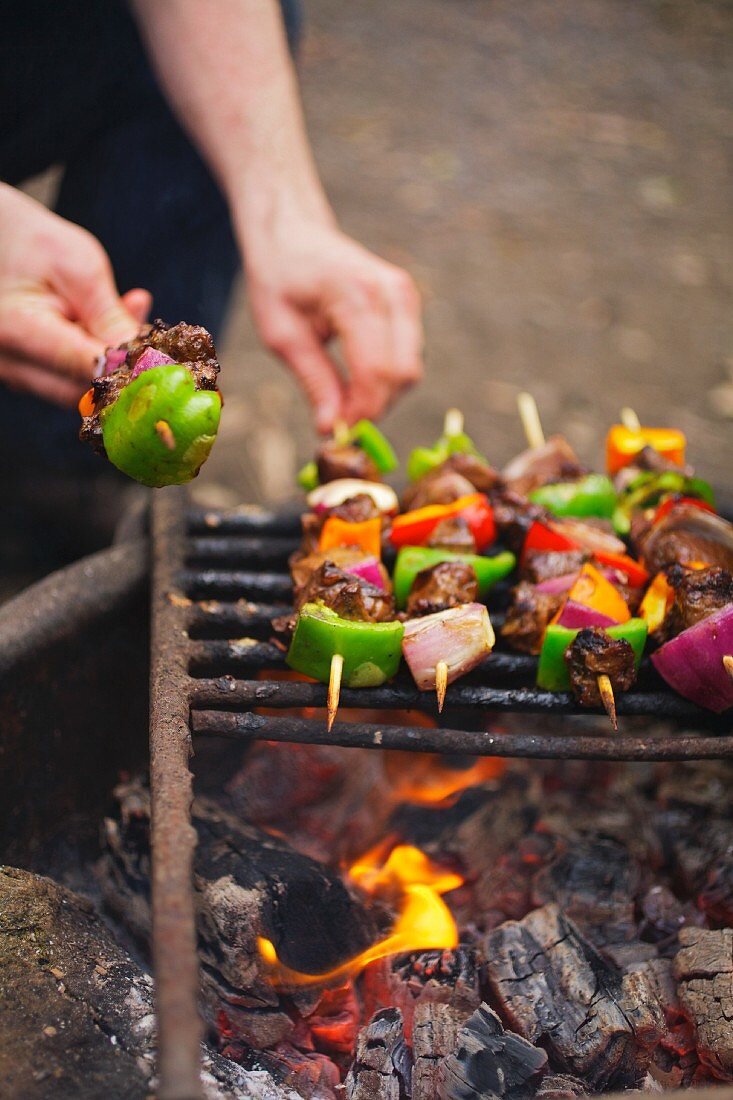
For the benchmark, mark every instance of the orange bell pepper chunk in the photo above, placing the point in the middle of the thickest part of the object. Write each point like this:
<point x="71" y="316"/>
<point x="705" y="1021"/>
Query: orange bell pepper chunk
<point x="367" y="535"/>
<point x="624" y="444"/>
<point x="86" y="404"/>
<point x="591" y="589"/>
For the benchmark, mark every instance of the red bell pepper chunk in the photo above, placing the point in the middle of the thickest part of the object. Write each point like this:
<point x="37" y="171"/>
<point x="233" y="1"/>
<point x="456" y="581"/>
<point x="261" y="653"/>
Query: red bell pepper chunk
<point x="415" y="528"/>
<point x="637" y="574"/>
<point x="543" y="538"/>
<point x="667" y="505"/>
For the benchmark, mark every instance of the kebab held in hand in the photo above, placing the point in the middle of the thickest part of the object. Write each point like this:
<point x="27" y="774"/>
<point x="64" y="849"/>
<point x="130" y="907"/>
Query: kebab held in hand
<point x="608" y="565"/>
<point x="154" y="409"/>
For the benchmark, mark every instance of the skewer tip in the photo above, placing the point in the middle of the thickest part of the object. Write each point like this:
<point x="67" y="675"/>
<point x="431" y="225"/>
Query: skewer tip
<point x="334" y="689"/>
<point x="530" y="417"/>
<point x="441" y="683"/>
<point x="453" y="423"/>
<point x="165" y="434"/>
<point x="605" y="688"/>
<point x="630" y="420"/>
<point x="728" y="664"/>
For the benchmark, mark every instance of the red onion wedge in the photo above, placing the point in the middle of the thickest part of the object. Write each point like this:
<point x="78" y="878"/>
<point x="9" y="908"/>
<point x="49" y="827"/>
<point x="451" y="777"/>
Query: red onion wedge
<point x="370" y="570"/>
<point x="112" y="359"/>
<point x="555" y="586"/>
<point x="693" y="662"/>
<point x="333" y="493"/>
<point x="461" y="637"/>
<point x="575" y="616"/>
<point x="150" y="358"/>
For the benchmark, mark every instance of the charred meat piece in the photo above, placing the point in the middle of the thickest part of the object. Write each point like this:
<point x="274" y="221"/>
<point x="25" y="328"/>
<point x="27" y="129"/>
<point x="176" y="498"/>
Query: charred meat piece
<point x="303" y="565"/>
<point x="514" y="515"/>
<point x="688" y="534"/>
<point x="336" y="460"/>
<point x="699" y="592"/>
<point x="594" y="653"/>
<point x="545" y="565"/>
<point x="190" y="345"/>
<point x="357" y="509"/>
<point x="347" y="595"/>
<point x="453" y="534"/>
<point x="440" y="486"/>
<point x="555" y="461"/>
<point x="448" y="584"/>
<point x="529" y="616"/>
<point x="483" y="477"/>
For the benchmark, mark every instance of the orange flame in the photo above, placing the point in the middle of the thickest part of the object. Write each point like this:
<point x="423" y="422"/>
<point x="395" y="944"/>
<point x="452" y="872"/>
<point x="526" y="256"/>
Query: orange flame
<point x="424" y="922"/>
<point x="426" y="779"/>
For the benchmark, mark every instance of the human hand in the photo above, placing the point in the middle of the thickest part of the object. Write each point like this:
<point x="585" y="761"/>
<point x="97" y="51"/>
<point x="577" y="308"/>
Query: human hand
<point x="59" y="307"/>
<point x="310" y="283"/>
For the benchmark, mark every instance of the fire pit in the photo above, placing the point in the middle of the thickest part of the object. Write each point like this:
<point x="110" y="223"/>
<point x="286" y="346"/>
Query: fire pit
<point x="589" y="903"/>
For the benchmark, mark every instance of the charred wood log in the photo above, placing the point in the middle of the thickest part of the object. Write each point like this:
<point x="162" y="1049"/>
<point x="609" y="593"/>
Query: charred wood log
<point x="554" y="989"/>
<point x="247" y="884"/>
<point x="560" y="1086"/>
<point x="430" y="977"/>
<point x="703" y="968"/>
<point x="491" y="1063"/>
<point x="383" y="1064"/>
<point x="435" y="1031"/>
<point x="77" y="1011"/>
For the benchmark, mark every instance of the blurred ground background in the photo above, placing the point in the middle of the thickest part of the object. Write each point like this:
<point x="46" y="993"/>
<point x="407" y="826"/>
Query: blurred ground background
<point x="557" y="177"/>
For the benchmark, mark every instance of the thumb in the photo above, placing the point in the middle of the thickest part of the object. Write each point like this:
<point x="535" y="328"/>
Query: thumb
<point x="87" y="282"/>
<point x="138" y="302"/>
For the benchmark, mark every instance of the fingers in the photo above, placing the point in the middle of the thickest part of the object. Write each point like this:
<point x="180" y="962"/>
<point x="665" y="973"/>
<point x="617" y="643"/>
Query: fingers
<point x="22" y="376"/>
<point x="83" y="275"/>
<point x="291" y="336"/>
<point x="33" y="332"/>
<point x="382" y="343"/>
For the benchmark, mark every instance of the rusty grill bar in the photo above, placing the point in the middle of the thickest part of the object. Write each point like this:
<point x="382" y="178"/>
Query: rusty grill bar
<point x="218" y="580"/>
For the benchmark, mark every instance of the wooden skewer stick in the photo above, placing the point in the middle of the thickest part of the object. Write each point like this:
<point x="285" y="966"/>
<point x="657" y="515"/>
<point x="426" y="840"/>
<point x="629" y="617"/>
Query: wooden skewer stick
<point x="165" y="434"/>
<point x="630" y="420"/>
<point x="605" y="688"/>
<point x="441" y="683"/>
<point x="453" y="423"/>
<point x="530" y="417"/>
<point x="728" y="664"/>
<point x="341" y="433"/>
<point x="334" y="689"/>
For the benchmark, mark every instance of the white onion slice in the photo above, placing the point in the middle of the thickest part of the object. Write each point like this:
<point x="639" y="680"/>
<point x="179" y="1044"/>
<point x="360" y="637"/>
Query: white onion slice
<point x="462" y="637"/>
<point x="333" y="493"/>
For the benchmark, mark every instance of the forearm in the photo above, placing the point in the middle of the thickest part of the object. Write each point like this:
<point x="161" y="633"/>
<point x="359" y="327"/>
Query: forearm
<point x="228" y="75"/>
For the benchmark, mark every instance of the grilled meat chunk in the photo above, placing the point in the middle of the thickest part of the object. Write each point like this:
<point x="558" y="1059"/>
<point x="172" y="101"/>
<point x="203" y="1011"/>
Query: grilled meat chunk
<point x="347" y="595"/>
<point x="453" y="534"/>
<point x="483" y="477"/>
<point x="448" y="584"/>
<point x="528" y="617"/>
<point x="545" y="565"/>
<point x="699" y="592"/>
<point x="441" y="486"/>
<point x="191" y="345"/>
<point x="335" y="460"/>
<point x="303" y="565"/>
<point x="688" y="534"/>
<point x="356" y="509"/>
<point x="514" y="515"/>
<point x="594" y="653"/>
<point x="554" y="461"/>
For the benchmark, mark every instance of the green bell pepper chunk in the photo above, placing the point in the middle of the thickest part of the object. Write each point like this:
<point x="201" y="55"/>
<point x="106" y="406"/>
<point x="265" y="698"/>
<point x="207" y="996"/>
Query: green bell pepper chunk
<point x="423" y="460"/>
<point x="593" y="495"/>
<point x="411" y="560"/>
<point x="650" y="489"/>
<point x="368" y="436"/>
<point x="308" y="477"/>
<point x="552" y="671"/>
<point x="161" y="429"/>
<point x="371" y="651"/>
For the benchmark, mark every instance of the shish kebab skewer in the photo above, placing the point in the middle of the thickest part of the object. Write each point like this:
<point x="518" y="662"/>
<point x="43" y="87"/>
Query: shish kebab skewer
<point x="532" y="425"/>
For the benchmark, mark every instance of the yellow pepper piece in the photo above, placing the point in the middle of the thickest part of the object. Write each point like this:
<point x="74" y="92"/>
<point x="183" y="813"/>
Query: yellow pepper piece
<point x="591" y="589"/>
<point x="657" y="601"/>
<point x="624" y="444"/>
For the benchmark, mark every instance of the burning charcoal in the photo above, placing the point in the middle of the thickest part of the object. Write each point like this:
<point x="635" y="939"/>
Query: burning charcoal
<point x="430" y="977"/>
<point x="555" y="990"/>
<point x="490" y="1062"/>
<point x="715" y="897"/>
<point x="77" y="1011"/>
<point x="559" y="1086"/>
<point x="435" y="1031"/>
<point x="703" y="968"/>
<point x="595" y="883"/>
<point x="664" y="915"/>
<point x="247" y="885"/>
<point x="382" y="1066"/>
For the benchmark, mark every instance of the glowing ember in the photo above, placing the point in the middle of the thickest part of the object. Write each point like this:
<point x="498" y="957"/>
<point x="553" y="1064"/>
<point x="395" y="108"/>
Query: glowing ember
<point x="425" y="779"/>
<point x="424" y="922"/>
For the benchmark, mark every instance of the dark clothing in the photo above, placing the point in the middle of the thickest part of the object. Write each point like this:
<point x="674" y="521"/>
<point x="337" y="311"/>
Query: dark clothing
<point x="76" y="90"/>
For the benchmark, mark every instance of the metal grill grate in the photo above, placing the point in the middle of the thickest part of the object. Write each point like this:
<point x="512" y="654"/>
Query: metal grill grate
<point x="217" y="582"/>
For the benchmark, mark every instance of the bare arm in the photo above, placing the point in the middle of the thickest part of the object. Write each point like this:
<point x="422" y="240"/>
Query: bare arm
<point x="226" y="70"/>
